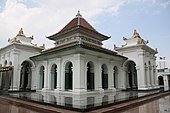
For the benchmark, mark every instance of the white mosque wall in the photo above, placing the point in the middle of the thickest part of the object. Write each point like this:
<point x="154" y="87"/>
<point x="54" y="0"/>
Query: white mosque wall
<point x="145" y="73"/>
<point x="79" y="69"/>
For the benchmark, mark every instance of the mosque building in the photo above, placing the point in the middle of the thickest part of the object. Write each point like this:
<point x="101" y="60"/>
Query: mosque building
<point x="78" y="63"/>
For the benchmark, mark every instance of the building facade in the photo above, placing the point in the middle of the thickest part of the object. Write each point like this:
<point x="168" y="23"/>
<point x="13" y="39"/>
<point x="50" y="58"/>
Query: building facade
<point x="163" y="76"/>
<point x="141" y="63"/>
<point x="78" y="63"/>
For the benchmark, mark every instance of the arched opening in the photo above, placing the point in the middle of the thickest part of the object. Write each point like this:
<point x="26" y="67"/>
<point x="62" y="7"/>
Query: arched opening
<point x="104" y="77"/>
<point x="68" y="76"/>
<point x="131" y="73"/>
<point x="90" y="76"/>
<point x="26" y="74"/>
<point x="161" y="81"/>
<point x="10" y="63"/>
<point x="115" y="77"/>
<point x="54" y="76"/>
<point x="42" y="77"/>
<point x="5" y="63"/>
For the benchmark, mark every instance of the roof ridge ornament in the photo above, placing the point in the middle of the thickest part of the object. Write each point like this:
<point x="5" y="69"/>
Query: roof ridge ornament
<point x="136" y="34"/>
<point x="20" y="33"/>
<point x="78" y="16"/>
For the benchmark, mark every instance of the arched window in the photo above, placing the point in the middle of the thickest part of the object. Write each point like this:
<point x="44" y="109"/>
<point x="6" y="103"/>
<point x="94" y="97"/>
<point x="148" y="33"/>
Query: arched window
<point x="10" y="63"/>
<point x="54" y="76"/>
<point x="90" y="75"/>
<point x="104" y="77"/>
<point x="5" y="63"/>
<point x="68" y="76"/>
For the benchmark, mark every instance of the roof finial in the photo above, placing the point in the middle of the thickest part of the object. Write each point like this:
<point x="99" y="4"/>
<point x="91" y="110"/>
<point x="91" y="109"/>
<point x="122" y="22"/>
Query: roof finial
<point x="136" y="34"/>
<point x="20" y="33"/>
<point x="78" y="14"/>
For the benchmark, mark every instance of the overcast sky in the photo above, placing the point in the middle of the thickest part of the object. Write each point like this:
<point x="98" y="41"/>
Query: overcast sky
<point x="115" y="18"/>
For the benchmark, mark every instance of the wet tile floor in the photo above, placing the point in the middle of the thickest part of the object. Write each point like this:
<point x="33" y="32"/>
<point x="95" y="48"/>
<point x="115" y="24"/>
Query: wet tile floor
<point x="84" y="102"/>
<point x="161" y="105"/>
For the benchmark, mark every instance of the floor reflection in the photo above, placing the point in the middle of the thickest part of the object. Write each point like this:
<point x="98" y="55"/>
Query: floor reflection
<point x="85" y="101"/>
<point x="6" y="107"/>
<point x="161" y="105"/>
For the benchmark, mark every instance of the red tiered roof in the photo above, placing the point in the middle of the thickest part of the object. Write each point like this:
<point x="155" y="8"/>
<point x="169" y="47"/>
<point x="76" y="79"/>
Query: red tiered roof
<point x="77" y="25"/>
<point x="74" y="23"/>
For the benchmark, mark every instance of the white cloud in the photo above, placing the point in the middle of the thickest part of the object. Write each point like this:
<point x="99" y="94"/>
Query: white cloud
<point x="165" y="3"/>
<point x="49" y="17"/>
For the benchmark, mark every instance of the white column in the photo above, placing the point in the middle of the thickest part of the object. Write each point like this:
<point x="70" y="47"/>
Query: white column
<point x="29" y="79"/>
<point x="16" y="72"/>
<point x="127" y="79"/>
<point x="148" y="76"/>
<point x="79" y="74"/>
<point x="122" y="77"/>
<point x="22" y="76"/>
<point x="141" y="71"/>
<point x="46" y="76"/>
<point x="98" y="76"/>
<point x="110" y="77"/>
<point x="62" y="76"/>
<point x="59" y="81"/>
<point x="155" y="73"/>
<point x="50" y="78"/>
<point x="133" y="78"/>
<point x="33" y="78"/>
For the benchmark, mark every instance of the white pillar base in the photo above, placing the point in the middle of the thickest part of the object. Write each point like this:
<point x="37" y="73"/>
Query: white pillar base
<point x="45" y="89"/>
<point x="79" y="91"/>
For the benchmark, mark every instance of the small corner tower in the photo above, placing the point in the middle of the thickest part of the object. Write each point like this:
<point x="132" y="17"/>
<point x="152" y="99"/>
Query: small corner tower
<point x="21" y="38"/>
<point x="144" y="60"/>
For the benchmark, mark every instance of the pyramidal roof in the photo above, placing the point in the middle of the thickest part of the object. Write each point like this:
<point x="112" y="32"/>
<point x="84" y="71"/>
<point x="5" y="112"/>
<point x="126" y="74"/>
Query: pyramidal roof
<point x="78" y="21"/>
<point x="78" y="24"/>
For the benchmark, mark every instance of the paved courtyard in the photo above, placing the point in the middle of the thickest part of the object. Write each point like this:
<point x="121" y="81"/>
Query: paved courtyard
<point x="81" y="103"/>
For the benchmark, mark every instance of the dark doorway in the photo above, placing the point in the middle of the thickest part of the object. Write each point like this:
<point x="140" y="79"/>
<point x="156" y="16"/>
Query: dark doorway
<point x="90" y="76"/>
<point x="42" y="77"/>
<point x="115" y="77"/>
<point x="68" y="76"/>
<point x="104" y="77"/>
<point x="131" y="75"/>
<point x="161" y="80"/>
<point x="26" y="73"/>
<point x="54" y="76"/>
